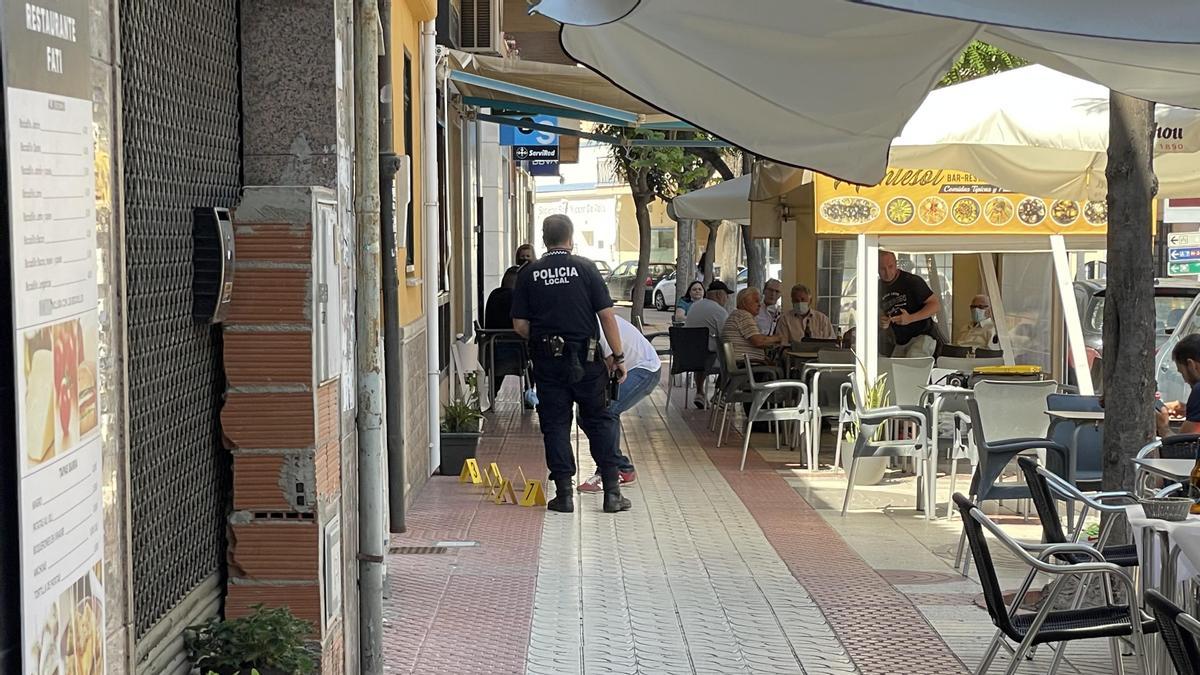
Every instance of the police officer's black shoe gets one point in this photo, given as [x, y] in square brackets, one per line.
[564, 500]
[614, 502]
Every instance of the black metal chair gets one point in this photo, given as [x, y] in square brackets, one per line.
[502, 353]
[689, 357]
[957, 351]
[989, 353]
[1180, 642]
[1046, 488]
[1047, 625]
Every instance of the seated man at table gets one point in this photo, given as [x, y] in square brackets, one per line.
[709, 313]
[742, 333]
[981, 331]
[1187, 361]
[510, 354]
[802, 321]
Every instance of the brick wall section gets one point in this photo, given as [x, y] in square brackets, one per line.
[304, 600]
[283, 430]
[255, 358]
[328, 458]
[266, 550]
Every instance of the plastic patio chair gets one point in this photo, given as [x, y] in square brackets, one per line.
[1086, 441]
[1047, 625]
[1007, 419]
[869, 421]
[689, 356]
[792, 408]
[966, 364]
[734, 384]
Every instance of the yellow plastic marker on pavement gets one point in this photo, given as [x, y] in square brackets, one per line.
[506, 495]
[470, 472]
[494, 468]
[533, 495]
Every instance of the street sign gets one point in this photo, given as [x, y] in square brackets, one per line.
[1183, 239]
[1184, 269]
[534, 152]
[1175, 254]
[515, 135]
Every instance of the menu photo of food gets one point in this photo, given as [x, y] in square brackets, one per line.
[71, 638]
[60, 404]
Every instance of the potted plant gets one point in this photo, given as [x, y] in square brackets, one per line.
[870, 469]
[462, 425]
[265, 642]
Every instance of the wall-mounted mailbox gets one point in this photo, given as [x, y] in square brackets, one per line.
[212, 264]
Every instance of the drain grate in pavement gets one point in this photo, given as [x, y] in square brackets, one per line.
[414, 550]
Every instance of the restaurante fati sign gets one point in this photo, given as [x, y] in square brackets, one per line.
[52, 234]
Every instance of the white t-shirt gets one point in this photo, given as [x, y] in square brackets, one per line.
[639, 353]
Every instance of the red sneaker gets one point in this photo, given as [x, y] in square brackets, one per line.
[592, 484]
[628, 477]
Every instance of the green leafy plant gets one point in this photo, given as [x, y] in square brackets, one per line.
[265, 639]
[1092, 531]
[980, 59]
[462, 415]
[877, 397]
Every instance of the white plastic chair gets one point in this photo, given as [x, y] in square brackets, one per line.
[783, 411]
[968, 366]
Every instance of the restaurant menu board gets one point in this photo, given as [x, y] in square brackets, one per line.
[51, 182]
[935, 201]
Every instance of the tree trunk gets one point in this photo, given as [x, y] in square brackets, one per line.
[685, 259]
[755, 261]
[710, 249]
[1129, 296]
[641, 202]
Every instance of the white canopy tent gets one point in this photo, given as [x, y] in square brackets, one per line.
[827, 84]
[727, 200]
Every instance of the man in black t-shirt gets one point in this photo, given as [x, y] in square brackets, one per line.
[556, 304]
[907, 307]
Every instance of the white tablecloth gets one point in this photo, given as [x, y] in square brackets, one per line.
[1184, 535]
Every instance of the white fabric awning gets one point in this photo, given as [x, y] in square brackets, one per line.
[727, 200]
[827, 84]
[1037, 131]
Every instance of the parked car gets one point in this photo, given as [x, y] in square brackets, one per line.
[622, 280]
[1170, 383]
[603, 267]
[1172, 300]
[664, 291]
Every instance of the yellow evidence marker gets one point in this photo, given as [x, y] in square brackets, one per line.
[470, 472]
[506, 495]
[533, 495]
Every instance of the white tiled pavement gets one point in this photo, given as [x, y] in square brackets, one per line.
[686, 582]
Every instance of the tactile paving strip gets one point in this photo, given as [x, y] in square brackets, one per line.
[684, 583]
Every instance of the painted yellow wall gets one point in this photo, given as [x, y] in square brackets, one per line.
[627, 228]
[406, 33]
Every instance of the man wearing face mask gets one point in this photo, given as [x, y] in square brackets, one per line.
[803, 321]
[981, 332]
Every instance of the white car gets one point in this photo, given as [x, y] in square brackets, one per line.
[664, 291]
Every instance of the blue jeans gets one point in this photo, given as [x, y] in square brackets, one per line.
[557, 397]
[638, 384]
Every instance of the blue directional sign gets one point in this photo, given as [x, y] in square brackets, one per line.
[1183, 253]
[510, 135]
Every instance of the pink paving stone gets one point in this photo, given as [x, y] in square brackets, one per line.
[864, 610]
[469, 609]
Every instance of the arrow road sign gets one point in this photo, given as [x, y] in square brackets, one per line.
[1183, 269]
[1183, 239]
[1188, 253]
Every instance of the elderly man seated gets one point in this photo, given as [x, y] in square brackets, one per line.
[802, 321]
[981, 331]
[742, 333]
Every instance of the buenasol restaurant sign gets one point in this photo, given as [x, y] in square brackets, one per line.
[940, 201]
[52, 232]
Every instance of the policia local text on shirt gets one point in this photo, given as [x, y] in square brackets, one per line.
[555, 306]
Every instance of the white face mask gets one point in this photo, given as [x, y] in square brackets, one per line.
[978, 315]
[800, 307]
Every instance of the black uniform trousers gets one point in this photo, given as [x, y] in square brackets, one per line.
[557, 396]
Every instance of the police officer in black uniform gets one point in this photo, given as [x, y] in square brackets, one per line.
[555, 306]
